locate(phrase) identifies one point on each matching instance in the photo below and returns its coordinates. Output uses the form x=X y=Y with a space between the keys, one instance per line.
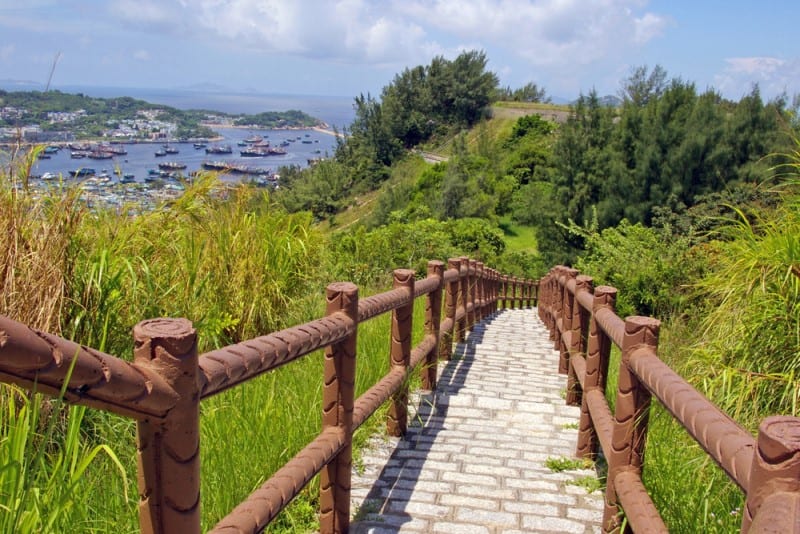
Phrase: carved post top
x=454 y=263
x=605 y=290
x=177 y=335
x=403 y=277
x=435 y=266
x=639 y=331
x=584 y=282
x=464 y=265
x=342 y=296
x=779 y=439
x=342 y=287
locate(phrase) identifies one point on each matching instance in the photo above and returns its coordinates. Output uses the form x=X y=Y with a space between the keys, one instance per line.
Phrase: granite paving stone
x=473 y=459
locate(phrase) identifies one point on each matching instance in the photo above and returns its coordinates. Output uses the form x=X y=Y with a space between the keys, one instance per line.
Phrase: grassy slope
x=518 y=238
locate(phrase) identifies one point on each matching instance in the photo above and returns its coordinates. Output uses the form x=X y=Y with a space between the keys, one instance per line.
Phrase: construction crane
x=52 y=70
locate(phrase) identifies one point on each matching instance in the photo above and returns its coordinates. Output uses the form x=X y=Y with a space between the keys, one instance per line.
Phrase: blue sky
x=346 y=47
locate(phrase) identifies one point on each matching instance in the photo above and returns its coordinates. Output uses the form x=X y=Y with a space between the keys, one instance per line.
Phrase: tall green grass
x=225 y=258
x=733 y=332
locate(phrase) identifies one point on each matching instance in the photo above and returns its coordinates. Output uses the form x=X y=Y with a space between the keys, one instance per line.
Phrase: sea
x=303 y=146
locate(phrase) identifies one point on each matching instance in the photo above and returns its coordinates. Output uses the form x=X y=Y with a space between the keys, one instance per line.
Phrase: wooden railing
x=163 y=387
x=583 y=326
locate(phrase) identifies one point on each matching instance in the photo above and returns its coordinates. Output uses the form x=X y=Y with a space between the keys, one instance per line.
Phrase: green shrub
x=650 y=273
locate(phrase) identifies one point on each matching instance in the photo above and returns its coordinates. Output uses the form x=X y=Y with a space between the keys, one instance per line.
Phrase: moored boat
x=219 y=149
x=171 y=166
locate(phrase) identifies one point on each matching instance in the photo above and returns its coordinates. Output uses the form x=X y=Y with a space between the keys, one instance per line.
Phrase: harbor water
x=301 y=146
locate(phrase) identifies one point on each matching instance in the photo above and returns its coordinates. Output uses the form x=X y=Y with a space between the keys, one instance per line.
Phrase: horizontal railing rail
x=164 y=384
x=583 y=325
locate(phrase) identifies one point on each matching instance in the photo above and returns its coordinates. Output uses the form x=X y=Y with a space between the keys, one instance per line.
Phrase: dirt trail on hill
x=555 y=115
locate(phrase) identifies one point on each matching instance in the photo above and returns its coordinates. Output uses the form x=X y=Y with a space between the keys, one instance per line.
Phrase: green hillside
x=686 y=202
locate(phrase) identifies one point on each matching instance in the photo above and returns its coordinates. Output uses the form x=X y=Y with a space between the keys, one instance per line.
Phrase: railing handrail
x=163 y=386
x=583 y=326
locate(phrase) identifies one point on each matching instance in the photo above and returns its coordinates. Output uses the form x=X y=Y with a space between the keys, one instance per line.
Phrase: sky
x=349 y=47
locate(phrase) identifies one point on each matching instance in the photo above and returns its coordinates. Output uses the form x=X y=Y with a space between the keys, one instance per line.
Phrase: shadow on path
x=386 y=507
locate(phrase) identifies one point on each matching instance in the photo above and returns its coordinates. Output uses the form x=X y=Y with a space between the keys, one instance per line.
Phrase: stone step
x=474 y=457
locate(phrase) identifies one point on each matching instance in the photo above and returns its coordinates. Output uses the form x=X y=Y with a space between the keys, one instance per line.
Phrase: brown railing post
x=400 y=355
x=337 y=411
x=579 y=327
x=526 y=293
x=479 y=289
x=598 y=353
x=566 y=321
x=493 y=290
x=514 y=282
x=472 y=294
x=558 y=305
x=433 y=317
x=450 y=307
x=531 y=293
x=544 y=302
x=550 y=302
x=536 y=293
x=504 y=290
x=463 y=298
x=169 y=449
x=631 y=414
x=773 y=494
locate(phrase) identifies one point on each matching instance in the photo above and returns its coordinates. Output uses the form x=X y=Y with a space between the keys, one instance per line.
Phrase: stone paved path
x=474 y=459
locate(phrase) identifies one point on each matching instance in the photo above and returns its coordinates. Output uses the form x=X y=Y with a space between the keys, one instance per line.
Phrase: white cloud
x=141 y=55
x=754 y=65
x=648 y=28
x=542 y=32
x=546 y=32
x=773 y=75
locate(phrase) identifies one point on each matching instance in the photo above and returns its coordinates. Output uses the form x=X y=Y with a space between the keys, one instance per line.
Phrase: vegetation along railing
x=163 y=386
x=583 y=325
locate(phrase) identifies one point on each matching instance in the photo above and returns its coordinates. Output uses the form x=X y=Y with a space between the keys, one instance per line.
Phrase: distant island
x=36 y=116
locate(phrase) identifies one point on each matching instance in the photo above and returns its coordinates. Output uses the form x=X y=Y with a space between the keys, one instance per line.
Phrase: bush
x=650 y=273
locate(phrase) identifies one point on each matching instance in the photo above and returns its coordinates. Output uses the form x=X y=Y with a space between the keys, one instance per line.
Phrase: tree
x=461 y=89
x=641 y=86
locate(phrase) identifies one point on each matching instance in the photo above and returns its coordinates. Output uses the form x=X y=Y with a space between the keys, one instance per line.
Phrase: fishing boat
x=253 y=139
x=219 y=149
x=171 y=166
x=161 y=152
x=85 y=171
x=255 y=152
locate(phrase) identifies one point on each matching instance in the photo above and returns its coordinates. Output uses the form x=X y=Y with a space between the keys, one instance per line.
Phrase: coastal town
x=123 y=153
